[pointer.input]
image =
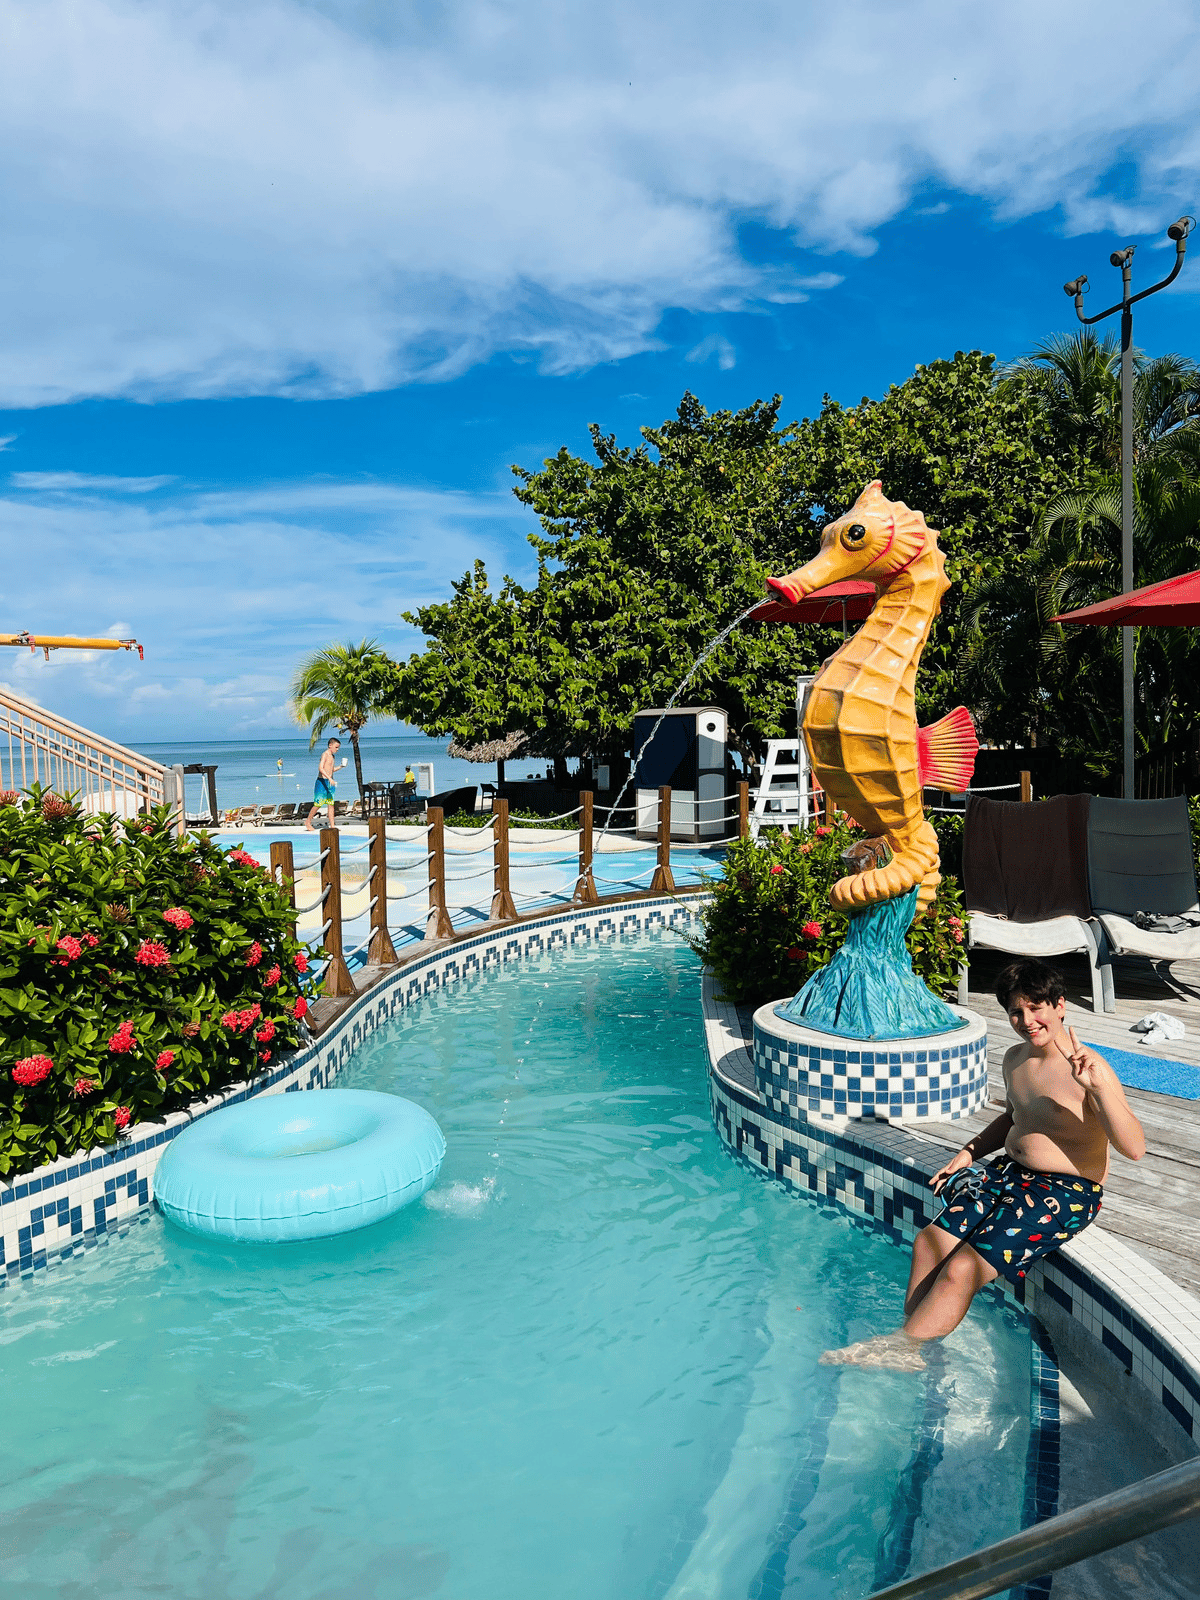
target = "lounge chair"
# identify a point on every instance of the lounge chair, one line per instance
(356, 810)
(303, 807)
(1026, 885)
(246, 816)
(267, 814)
(287, 812)
(340, 808)
(1142, 877)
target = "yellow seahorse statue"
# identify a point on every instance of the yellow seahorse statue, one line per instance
(860, 724)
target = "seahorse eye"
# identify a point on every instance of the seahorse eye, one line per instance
(854, 534)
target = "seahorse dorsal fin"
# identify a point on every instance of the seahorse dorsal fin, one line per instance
(946, 752)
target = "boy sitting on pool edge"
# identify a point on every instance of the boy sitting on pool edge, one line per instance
(1065, 1108)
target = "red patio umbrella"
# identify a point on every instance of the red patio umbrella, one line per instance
(1174, 603)
(849, 601)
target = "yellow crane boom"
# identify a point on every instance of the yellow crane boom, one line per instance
(65, 641)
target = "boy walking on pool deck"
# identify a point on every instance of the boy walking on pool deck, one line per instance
(323, 789)
(1065, 1108)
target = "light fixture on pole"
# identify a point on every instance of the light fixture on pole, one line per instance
(1177, 233)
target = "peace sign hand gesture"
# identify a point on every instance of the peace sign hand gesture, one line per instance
(1089, 1070)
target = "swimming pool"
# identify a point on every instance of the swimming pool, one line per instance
(585, 1364)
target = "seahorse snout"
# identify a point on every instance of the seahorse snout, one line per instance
(825, 567)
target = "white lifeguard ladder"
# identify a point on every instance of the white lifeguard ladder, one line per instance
(784, 795)
(787, 790)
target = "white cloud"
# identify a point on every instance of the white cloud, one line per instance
(714, 344)
(266, 196)
(86, 482)
(227, 591)
(7, 440)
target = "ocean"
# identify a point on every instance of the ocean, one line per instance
(248, 771)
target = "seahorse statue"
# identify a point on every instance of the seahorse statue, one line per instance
(860, 724)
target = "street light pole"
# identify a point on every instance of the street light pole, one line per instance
(1178, 232)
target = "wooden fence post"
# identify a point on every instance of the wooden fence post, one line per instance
(585, 886)
(337, 974)
(743, 810)
(381, 952)
(283, 872)
(1026, 788)
(663, 879)
(503, 909)
(437, 919)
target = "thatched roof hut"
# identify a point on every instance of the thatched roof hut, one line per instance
(513, 747)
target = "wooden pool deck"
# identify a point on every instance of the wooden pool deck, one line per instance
(1154, 1204)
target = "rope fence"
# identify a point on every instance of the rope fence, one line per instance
(340, 901)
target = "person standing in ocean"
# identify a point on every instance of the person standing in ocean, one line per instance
(323, 790)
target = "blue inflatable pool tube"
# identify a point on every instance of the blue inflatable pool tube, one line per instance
(299, 1166)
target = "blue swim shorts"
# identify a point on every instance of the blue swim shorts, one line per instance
(1012, 1216)
(322, 792)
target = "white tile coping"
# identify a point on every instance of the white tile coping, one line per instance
(76, 1202)
(1097, 1297)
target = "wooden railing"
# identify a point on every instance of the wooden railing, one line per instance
(38, 747)
(328, 909)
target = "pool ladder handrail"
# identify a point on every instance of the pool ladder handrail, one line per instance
(1112, 1519)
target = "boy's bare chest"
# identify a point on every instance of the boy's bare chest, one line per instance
(1044, 1095)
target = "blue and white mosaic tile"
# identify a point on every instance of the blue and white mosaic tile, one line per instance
(805, 1075)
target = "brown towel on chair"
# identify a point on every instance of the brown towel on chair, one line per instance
(1027, 862)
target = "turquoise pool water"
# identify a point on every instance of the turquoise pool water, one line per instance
(584, 1365)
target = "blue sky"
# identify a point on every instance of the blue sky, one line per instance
(287, 287)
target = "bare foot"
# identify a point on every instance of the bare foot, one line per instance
(894, 1351)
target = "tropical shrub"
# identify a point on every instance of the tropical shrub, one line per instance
(138, 971)
(769, 925)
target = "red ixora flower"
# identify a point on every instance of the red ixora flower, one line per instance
(121, 1116)
(776, 869)
(151, 954)
(958, 938)
(178, 918)
(955, 922)
(70, 950)
(90, 940)
(83, 1086)
(239, 1021)
(822, 831)
(254, 954)
(301, 961)
(267, 1032)
(242, 858)
(123, 1041)
(164, 1060)
(806, 849)
(264, 1055)
(32, 1069)
(190, 1030)
(795, 953)
(812, 930)
(272, 977)
(301, 1006)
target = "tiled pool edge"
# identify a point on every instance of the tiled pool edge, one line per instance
(1099, 1300)
(77, 1203)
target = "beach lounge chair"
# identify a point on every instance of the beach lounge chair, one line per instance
(267, 814)
(246, 816)
(340, 808)
(1025, 879)
(287, 812)
(356, 810)
(303, 807)
(1142, 877)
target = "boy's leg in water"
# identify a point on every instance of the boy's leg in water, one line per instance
(943, 1280)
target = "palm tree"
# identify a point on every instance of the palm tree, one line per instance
(1078, 378)
(342, 687)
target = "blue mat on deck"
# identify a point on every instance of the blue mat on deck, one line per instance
(1154, 1073)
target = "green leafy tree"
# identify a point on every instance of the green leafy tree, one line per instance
(1064, 683)
(343, 687)
(982, 459)
(645, 554)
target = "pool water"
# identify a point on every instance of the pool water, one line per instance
(584, 1365)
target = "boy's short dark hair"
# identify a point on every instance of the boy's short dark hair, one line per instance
(1033, 981)
(333, 739)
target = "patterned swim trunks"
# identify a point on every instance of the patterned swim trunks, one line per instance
(1012, 1216)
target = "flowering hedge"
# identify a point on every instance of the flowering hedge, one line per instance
(138, 972)
(769, 924)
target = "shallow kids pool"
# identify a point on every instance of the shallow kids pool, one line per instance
(584, 1364)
